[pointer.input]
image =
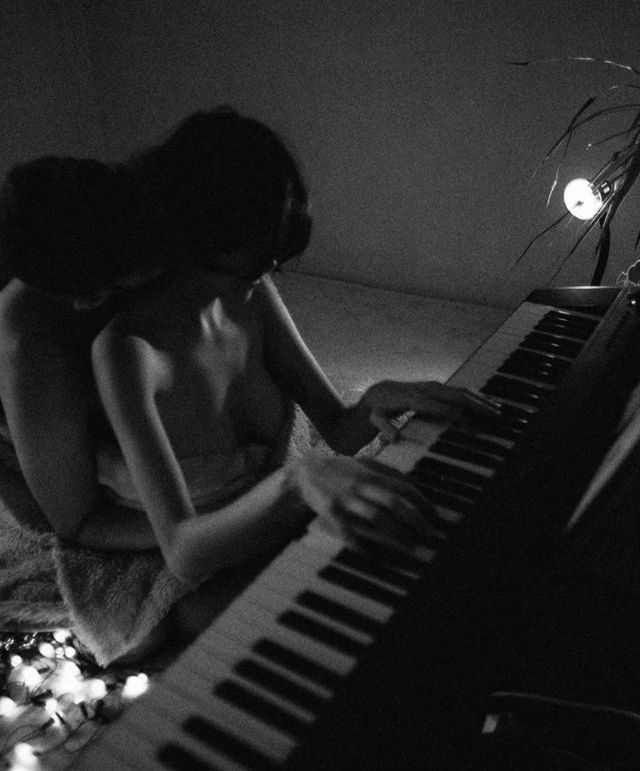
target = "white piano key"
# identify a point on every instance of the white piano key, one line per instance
(248, 627)
(196, 677)
(222, 650)
(302, 573)
(426, 433)
(403, 454)
(226, 650)
(252, 612)
(132, 746)
(198, 672)
(276, 604)
(317, 555)
(290, 584)
(166, 709)
(373, 579)
(107, 752)
(486, 366)
(206, 671)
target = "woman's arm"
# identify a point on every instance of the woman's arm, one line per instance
(45, 387)
(348, 429)
(194, 547)
(293, 366)
(345, 493)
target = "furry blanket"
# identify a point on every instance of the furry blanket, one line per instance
(110, 600)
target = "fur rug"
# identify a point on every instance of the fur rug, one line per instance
(111, 601)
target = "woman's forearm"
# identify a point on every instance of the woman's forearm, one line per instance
(350, 429)
(262, 520)
(114, 528)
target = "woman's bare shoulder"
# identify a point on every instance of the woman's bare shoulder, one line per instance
(33, 325)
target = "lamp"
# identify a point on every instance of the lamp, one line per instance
(596, 202)
(583, 199)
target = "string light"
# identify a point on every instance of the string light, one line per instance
(27, 675)
(49, 691)
(24, 758)
(61, 635)
(134, 686)
(8, 707)
(47, 650)
(94, 689)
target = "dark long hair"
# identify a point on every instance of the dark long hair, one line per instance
(73, 225)
(230, 183)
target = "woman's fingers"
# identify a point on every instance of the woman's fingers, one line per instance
(389, 400)
(385, 494)
(349, 495)
(454, 396)
(388, 431)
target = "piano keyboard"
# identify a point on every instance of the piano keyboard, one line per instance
(251, 687)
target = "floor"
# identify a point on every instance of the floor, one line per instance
(361, 335)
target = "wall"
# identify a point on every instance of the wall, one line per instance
(418, 139)
(46, 82)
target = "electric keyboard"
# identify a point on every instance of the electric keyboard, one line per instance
(379, 657)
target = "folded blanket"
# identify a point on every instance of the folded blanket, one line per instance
(112, 601)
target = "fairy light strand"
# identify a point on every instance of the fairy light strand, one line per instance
(55, 698)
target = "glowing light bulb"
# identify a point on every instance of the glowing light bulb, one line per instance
(61, 635)
(24, 757)
(47, 650)
(582, 199)
(68, 678)
(28, 675)
(8, 707)
(134, 686)
(95, 689)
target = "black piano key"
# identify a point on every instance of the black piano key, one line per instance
(515, 390)
(558, 326)
(540, 371)
(395, 558)
(498, 430)
(279, 685)
(448, 501)
(218, 739)
(539, 341)
(319, 632)
(296, 663)
(589, 325)
(466, 454)
(518, 417)
(511, 425)
(359, 585)
(539, 361)
(265, 710)
(537, 376)
(468, 439)
(561, 330)
(448, 471)
(177, 758)
(339, 612)
(428, 481)
(370, 567)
